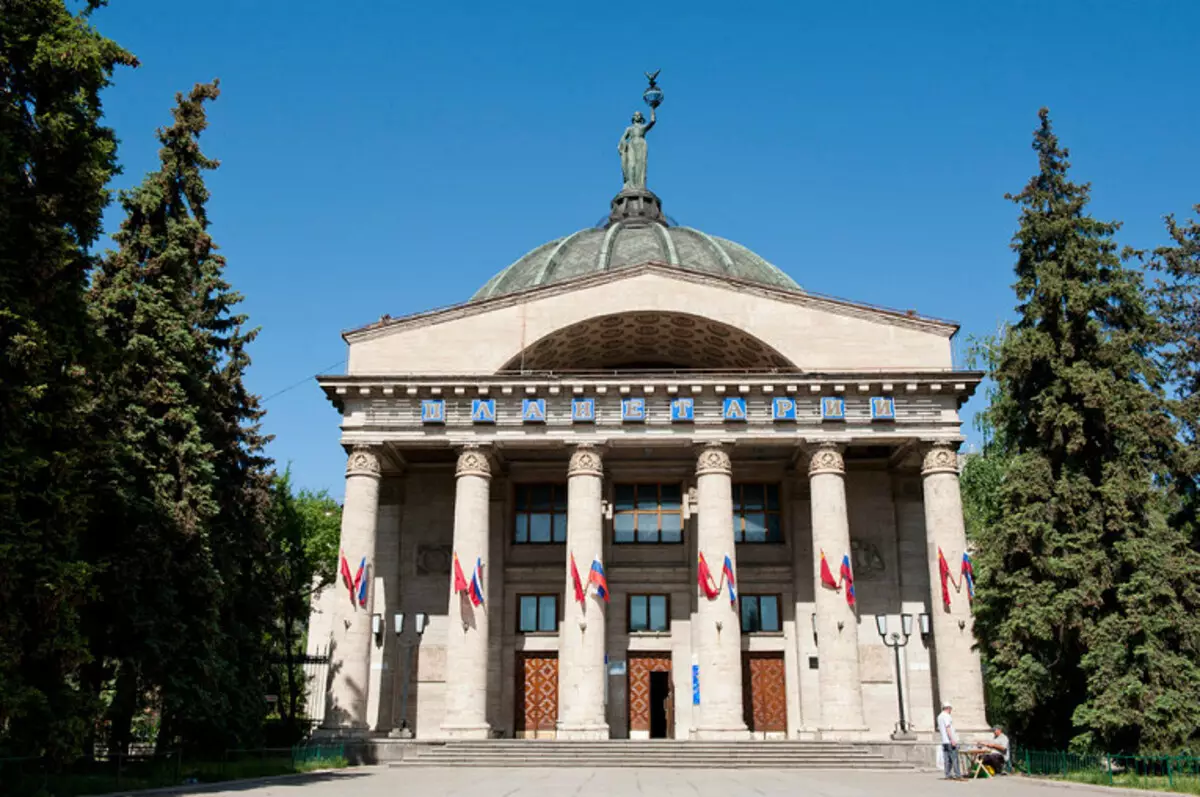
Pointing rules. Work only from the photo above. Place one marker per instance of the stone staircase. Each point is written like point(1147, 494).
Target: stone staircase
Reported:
point(640, 753)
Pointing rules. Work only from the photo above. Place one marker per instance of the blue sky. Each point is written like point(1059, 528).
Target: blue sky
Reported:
point(390, 157)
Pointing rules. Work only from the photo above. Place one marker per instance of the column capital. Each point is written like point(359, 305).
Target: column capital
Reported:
point(473, 461)
point(363, 461)
point(714, 458)
point(940, 457)
point(827, 458)
point(585, 461)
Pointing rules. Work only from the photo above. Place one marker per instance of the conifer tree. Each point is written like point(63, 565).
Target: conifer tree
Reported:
point(55, 160)
point(1177, 303)
point(187, 597)
point(1088, 605)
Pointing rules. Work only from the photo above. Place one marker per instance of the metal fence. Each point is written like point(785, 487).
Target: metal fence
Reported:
point(1179, 773)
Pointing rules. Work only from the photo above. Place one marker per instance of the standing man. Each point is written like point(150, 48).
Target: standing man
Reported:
point(949, 741)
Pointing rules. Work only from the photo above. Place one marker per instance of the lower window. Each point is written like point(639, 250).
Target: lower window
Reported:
point(760, 613)
point(537, 613)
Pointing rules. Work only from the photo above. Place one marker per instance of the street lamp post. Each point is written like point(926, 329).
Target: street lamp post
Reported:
point(407, 646)
point(895, 642)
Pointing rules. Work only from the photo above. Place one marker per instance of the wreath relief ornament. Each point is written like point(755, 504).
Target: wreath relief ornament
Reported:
point(940, 458)
point(827, 459)
point(363, 461)
point(473, 462)
point(713, 459)
point(585, 461)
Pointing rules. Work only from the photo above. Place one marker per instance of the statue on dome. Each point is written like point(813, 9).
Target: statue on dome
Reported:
point(632, 145)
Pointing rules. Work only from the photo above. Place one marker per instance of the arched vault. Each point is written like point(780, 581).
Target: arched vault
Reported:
point(643, 340)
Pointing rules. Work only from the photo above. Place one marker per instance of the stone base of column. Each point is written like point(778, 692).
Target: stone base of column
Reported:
point(338, 734)
point(844, 734)
point(467, 731)
point(583, 732)
point(721, 734)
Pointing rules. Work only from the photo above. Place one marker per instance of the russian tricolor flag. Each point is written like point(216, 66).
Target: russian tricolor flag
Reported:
point(477, 584)
point(360, 582)
point(848, 579)
point(597, 577)
point(968, 573)
point(727, 573)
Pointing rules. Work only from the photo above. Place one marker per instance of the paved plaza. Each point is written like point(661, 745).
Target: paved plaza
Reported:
point(519, 782)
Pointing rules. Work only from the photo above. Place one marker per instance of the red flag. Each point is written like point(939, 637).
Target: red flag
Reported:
point(827, 579)
point(460, 580)
point(579, 593)
point(944, 569)
point(707, 585)
point(346, 577)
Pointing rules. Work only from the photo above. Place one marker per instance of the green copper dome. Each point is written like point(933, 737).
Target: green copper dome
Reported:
point(632, 242)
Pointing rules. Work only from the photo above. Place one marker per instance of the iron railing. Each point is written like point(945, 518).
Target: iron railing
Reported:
point(1180, 773)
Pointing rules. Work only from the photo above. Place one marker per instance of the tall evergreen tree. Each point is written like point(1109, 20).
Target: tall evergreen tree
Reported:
point(1088, 607)
point(55, 160)
point(1177, 302)
point(186, 561)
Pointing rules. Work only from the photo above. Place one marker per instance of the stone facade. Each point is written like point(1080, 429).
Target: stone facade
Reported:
point(840, 441)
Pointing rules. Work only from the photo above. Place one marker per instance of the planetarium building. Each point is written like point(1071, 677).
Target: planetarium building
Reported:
point(644, 485)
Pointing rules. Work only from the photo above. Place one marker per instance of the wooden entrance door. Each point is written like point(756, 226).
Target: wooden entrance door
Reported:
point(640, 698)
point(537, 695)
point(764, 692)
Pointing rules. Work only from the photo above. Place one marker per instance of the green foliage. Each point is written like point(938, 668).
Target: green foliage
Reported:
point(1087, 599)
point(55, 161)
point(1176, 298)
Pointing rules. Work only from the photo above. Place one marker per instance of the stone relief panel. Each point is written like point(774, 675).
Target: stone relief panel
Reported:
point(433, 559)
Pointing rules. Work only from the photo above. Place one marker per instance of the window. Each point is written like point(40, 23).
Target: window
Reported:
point(648, 513)
point(756, 516)
point(541, 513)
point(648, 613)
point(760, 613)
point(537, 613)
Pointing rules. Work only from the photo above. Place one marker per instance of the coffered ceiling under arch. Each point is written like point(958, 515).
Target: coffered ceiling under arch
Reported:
point(645, 340)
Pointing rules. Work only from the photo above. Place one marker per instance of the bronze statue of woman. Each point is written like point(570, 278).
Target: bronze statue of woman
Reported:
point(632, 147)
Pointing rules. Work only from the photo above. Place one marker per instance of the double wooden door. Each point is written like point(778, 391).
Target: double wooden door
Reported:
point(537, 695)
point(764, 692)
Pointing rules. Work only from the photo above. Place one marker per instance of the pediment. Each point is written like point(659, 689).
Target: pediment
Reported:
point(810, 331)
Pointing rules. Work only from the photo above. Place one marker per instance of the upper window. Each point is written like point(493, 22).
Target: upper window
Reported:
point(648, 513)
point(541, 513)
point(537, 613)
point(648, 613)
point(756, 516)
point(760, 613)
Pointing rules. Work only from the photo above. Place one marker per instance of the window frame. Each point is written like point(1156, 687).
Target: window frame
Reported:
point(758, 596)
point(740, 512)
point(658, 512)
point(666, 596)
point(524, 510)
point(539, 597)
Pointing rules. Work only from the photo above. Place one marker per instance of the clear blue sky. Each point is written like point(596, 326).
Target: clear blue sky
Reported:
point(389, 157)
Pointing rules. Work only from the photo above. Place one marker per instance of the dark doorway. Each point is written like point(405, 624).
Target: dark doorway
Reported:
point(660, 709)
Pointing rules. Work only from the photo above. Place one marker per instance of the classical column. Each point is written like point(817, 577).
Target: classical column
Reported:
point(581, 640)
point(837, 624)
point(959, 677)
point(350, 640)
point(467, 636)
point(716, 630)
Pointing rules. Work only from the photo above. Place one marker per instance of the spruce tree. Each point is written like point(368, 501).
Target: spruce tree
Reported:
point(55, 160)
point(1177, 302)
point(185, 609)
point(1088, 606)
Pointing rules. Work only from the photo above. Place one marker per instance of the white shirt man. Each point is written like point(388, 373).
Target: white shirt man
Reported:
point(945, 726)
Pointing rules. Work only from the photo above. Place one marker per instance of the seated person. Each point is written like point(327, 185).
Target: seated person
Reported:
point(999, 743)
